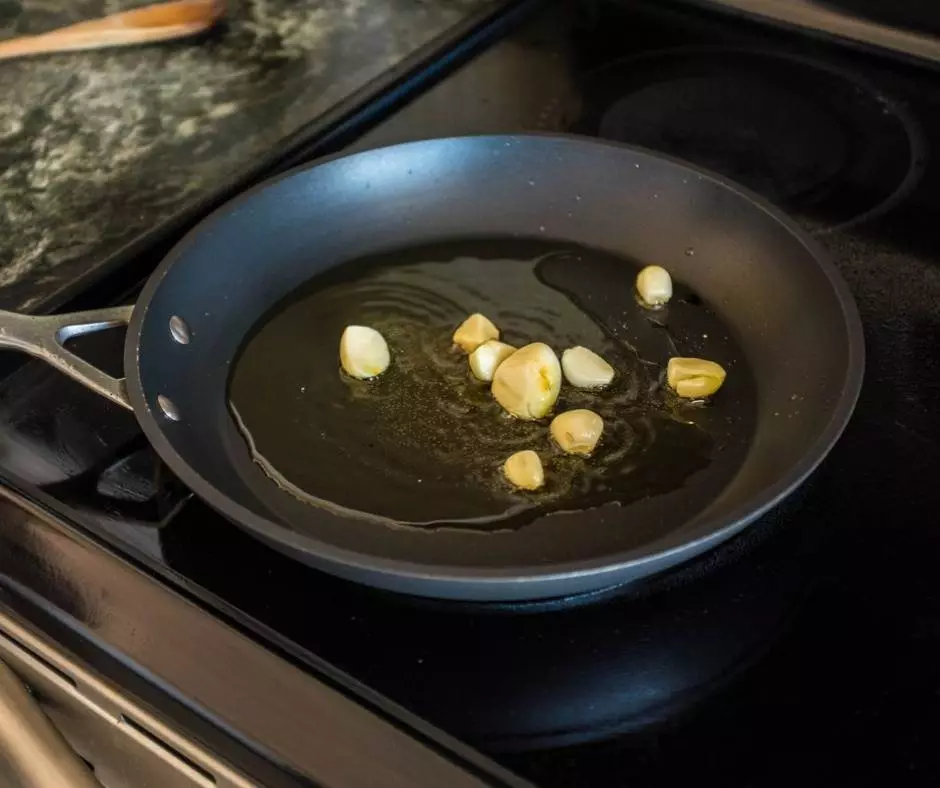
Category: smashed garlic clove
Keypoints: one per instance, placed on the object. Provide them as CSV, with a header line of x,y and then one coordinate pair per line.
x,y
486,358
524,470
577,431
474,331
584,369
654,285
694,378
363,352
527,383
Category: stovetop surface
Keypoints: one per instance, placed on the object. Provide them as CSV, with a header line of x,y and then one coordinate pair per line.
x,y
808,648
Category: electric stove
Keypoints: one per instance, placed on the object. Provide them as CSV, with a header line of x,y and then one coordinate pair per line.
x,y
808,648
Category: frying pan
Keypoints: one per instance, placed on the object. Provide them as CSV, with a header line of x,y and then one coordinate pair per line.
x,y
789,309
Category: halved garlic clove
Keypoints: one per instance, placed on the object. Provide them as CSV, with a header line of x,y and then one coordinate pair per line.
x,y
584,369
694,378
487,357
527,383
474,331
524,470
577,431
654,285
363,352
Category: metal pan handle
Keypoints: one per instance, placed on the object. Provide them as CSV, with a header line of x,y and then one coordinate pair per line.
x,y
45,336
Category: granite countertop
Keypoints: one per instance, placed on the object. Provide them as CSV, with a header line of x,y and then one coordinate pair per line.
x,y
97,148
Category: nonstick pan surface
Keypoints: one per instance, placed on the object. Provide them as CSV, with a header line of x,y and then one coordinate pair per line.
x,y
792,338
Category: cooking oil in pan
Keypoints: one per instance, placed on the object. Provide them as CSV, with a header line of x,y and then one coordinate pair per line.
x,y
424,444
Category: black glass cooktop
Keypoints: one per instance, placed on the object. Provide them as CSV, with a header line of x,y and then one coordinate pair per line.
x,y
808,649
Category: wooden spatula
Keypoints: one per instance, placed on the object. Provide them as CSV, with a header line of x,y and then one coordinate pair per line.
x,y
159,22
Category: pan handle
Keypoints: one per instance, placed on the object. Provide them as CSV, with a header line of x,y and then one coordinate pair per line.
x,y
44,336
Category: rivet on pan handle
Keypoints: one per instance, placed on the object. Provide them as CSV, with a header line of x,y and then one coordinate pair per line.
x,y
44,337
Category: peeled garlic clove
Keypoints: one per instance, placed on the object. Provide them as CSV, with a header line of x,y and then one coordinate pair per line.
x,y
363,352
474,331
584,369
524,469
486,358
654,285
577,431
527,383
694,378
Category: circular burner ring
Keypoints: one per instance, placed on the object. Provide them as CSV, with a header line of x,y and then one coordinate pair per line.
x,y
821,142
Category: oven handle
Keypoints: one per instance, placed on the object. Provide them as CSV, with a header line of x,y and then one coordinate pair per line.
x,y
44,336
30,743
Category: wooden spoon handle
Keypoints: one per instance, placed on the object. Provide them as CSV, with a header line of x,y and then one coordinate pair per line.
x,y
158,22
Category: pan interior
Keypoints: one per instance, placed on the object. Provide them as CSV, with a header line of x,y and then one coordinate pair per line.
x,y
423,444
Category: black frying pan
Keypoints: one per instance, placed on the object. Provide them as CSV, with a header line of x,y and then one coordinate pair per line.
x,y
788,314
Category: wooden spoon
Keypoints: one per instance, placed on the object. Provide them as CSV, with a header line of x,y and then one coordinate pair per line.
x,y
159,22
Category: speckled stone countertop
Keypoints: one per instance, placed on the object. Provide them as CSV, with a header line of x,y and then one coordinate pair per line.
x,y
97,148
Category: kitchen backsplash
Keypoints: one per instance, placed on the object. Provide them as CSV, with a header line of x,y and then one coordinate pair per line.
x,y
97,148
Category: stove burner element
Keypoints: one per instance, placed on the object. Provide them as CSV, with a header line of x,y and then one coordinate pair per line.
x,y
814,140
783,145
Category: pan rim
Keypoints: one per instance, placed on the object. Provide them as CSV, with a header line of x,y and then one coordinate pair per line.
x,y
662,552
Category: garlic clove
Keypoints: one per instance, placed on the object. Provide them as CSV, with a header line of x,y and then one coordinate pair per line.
x,y
694,378
577,431
487,357
524,470
584,369
527,383
654,286
474,331
363,352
